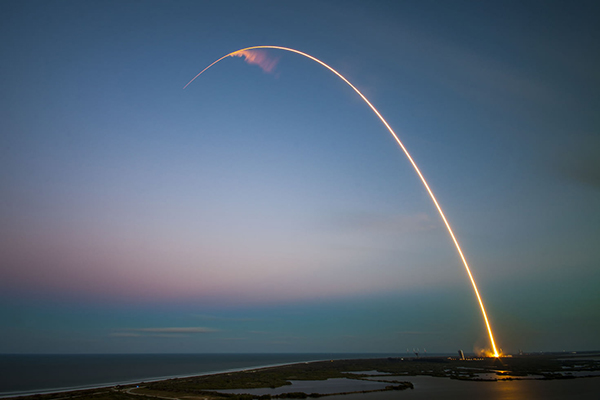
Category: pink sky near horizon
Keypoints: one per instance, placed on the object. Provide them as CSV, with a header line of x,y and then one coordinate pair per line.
x,y
89,262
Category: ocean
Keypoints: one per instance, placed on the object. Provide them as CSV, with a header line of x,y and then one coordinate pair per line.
x,y
22,374
29,374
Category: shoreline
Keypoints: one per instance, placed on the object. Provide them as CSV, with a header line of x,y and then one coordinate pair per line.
x,y
70,389
322,369
9,395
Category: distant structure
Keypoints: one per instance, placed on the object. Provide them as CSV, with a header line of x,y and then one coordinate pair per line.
x,y
461,355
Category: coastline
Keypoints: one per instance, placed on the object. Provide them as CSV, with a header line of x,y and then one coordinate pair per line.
x,y
9,395
392,371
135,381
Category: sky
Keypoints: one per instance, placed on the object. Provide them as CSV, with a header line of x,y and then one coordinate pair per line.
x,y
265,208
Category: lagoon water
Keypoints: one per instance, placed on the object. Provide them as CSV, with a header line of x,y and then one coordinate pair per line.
x,y
428,388
335,385
26,374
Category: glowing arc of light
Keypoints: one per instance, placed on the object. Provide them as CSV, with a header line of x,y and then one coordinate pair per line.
x,y
414,164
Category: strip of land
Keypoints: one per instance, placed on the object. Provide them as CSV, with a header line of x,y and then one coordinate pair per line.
x,y
211,387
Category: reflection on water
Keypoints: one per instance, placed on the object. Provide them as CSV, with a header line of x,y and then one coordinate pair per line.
x,y
372,373
427,387
336,385
580,373
490,376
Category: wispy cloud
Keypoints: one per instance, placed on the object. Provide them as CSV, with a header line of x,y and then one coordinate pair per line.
x,y
258,57
197,329
162,332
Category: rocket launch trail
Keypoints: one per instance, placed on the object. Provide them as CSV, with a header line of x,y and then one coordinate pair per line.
x,y
246,52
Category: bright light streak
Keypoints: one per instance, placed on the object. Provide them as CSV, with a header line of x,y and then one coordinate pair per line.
x,y
437,205
258,57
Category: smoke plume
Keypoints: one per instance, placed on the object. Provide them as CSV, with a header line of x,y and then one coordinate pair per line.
x,y
258,57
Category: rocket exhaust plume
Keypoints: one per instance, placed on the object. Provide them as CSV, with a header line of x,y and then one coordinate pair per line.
x,y
263,60
258,57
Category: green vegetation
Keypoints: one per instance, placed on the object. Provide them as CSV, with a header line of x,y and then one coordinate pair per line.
x,y
208,387
272,377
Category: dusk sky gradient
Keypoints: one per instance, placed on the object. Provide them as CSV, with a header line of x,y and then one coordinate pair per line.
x,y
265,208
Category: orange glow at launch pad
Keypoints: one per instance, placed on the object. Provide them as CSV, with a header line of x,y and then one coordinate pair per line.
x,y
245,52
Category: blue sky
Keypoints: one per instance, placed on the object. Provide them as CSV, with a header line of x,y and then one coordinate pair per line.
x,y
271,211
